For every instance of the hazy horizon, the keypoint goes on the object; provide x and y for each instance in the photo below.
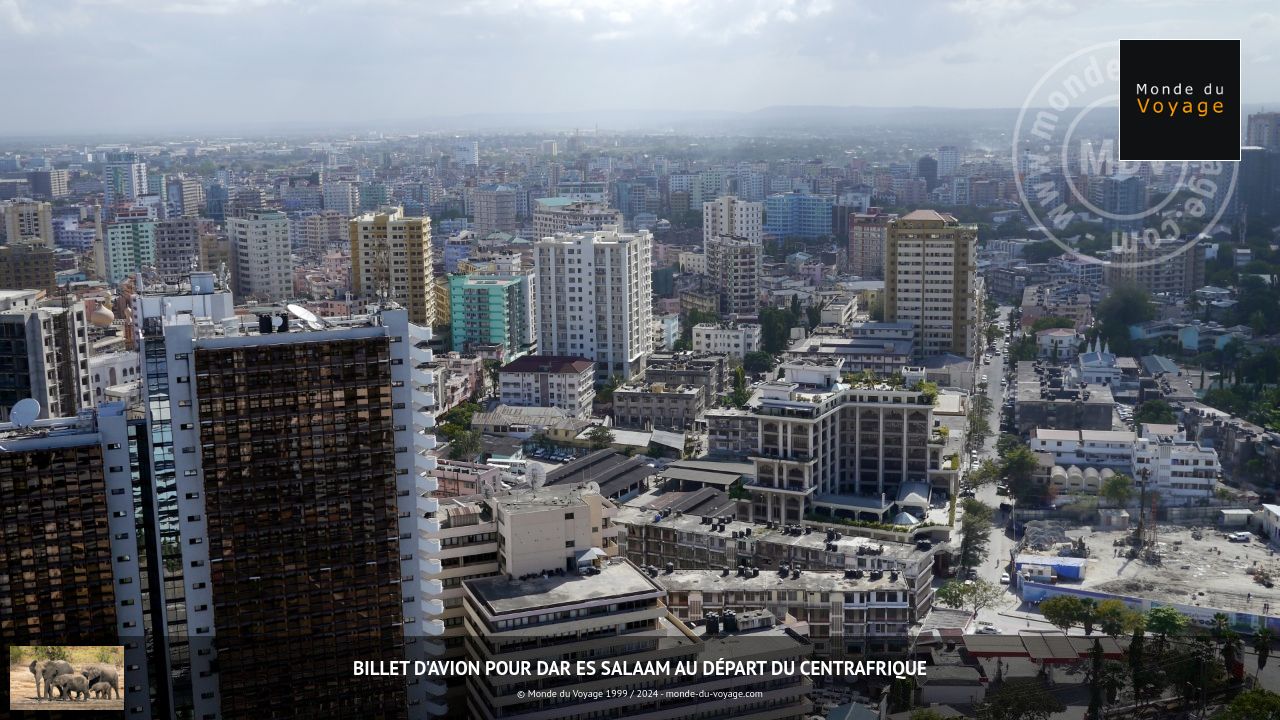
(110, 67)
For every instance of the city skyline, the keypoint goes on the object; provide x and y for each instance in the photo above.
(217, 73)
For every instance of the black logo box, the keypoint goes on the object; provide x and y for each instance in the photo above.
(1189, 65)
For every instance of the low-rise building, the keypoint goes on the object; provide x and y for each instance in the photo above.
(549, 381)
(726, 339)
(660, 406)
(1057, 343)
(709, 371)
(1174, 466)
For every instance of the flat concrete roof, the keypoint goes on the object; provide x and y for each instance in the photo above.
(770, 579)
(617, 580)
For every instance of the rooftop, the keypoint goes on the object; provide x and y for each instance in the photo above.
(548, 363)
(769, 579)
(616, 580)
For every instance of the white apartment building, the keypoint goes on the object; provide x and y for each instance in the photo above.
(595, 298)
(549, 381)
(729, 216)
(1086, 448)
(1177, 467)
(342, 197)
(692, 262)
(732, 340)
(261, 263)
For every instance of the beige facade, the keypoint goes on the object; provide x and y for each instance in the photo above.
(550, 217)
(931, 280)
(658, 406)
(27, 221)
(391, 257)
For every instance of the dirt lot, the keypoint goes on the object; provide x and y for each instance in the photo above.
(22, 695)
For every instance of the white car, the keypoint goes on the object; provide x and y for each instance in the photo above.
(985, 378)
(1004, 578)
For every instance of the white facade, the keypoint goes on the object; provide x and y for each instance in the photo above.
(111, 369)
(1177, 467)
(692, 262)
(261, 255)
(342, 197)
(734, 340)
(730, 216)
(564, 383)
(1086, 448)
(595, 298)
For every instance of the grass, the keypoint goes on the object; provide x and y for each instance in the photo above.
(74, 654)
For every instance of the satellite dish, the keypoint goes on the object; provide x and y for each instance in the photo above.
(25, 412)
(307, 317)
(277, 321)
(591, 488)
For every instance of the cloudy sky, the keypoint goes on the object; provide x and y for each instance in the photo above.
(147, 65)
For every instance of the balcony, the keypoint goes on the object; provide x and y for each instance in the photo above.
(421, 355)
(435, 606)
(435, 709)
(424, 398)
(431, 587)
(426, 463)
(424, 440)
(427, 504)
(424, 420)
(419, 333)
(431, 566)
(434, 687)
(423, 376)
(431, 546)
(428, 483)
(433, 628)
(432, 648)
(431, 526)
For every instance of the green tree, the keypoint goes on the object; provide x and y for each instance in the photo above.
(1166, 622)
(975, 532)
(971, 594)
(1020, 699)
(465, 445)
(1018, 468)
(600, 437)
(1006, 443)
(1115, 618)
(1154, 411)
(52, 652)
(605, 392)
(876, 309)
(739, 396)
(1127, 304)
(987, 472)
(1050, 322)
(1256, 704)
(1262, 646)
(1063, 611)
(1118, 489)
(757, 362)
(1097, 693)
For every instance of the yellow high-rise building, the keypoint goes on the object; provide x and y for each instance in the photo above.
(391, 259)
(931, 280)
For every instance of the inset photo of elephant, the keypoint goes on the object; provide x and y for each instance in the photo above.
(66, 677)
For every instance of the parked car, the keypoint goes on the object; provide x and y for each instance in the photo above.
(1004, 578)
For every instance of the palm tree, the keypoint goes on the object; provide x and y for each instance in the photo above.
(1232, 649)
(1262, 645)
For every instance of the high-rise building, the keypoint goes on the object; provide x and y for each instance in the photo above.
(49, 184)
(28, 267)
(177, 247)
(868, 233)
(262, 267)
(184, 196)
(1258, 183)
(797, 214)
(557, 215)
(291, 476)
(342, 197)
(595, 299)
(379, 241)
(127, 248)
(1122, 200)
(466, 152)
(1264, 131)
(734, 266)
(931, 280)
(948, 161)
(489, 315)
(71, 552)
(494, 209)
(729, 216)
(927, 168)
(44, 355)
(27, 221)
(320, 231)
(1160, 267)
(124, 178)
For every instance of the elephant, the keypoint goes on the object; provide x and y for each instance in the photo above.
(70, 684)
(101, 690)
(103, 673)
(45, 671)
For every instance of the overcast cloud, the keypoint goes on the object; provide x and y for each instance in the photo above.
(147, 65)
